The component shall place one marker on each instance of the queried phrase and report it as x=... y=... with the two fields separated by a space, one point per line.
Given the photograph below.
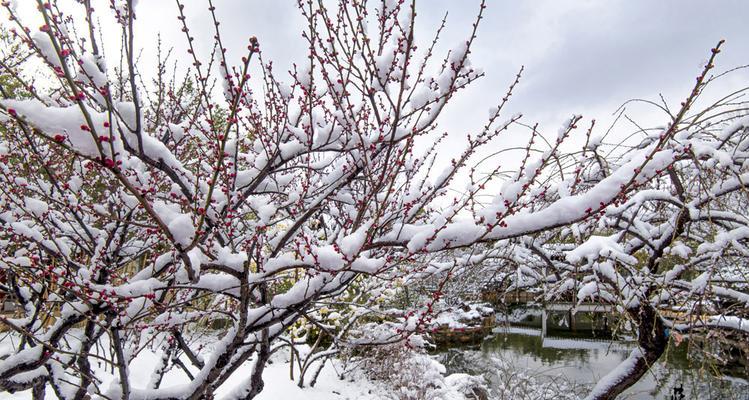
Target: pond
x=575 y=351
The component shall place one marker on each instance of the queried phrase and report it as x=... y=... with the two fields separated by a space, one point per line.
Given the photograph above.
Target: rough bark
x=652 y=342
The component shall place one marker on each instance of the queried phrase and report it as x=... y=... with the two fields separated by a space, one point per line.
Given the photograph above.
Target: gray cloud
x=582 y=56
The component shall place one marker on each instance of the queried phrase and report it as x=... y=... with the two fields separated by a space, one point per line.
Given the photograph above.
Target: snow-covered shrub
x=410 y=374
x=505 y=380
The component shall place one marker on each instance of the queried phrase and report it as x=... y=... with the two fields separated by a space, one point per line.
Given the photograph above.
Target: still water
x=577 y=356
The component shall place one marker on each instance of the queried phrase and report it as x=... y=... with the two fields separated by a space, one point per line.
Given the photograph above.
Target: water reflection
x=583 y=354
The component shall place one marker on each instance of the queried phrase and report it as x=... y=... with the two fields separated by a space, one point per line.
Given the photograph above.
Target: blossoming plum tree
x=133 y=213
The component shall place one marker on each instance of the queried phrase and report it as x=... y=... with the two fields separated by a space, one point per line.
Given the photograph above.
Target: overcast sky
x=581 y=57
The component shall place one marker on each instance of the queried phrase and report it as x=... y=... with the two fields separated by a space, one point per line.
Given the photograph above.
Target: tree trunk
x=652 y=342
x=39 y=391
x=257 y=372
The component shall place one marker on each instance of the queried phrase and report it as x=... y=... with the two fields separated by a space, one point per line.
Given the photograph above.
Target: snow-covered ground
x=329 y=386
x=276 y=377
x=355 y=385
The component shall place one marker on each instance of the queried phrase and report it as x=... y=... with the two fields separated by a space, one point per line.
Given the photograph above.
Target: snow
x=24 y=230
x=67 y=121
x=368 y=265
x=276 y=378
x=600 y=246
x=326 y=257
x=263 y=208
x=90 y=67
x=723 y=239
x=180 y=225
x=37 y=207
x=329 y=386
x=729 y=321
x=617 y=374
x=594 y=142
x=462 y=316
x=25 y=356
x=679 y=249
x=45 y=45
x=351 y=244
x=589 y=290
x=422 y=96
x=302 y=289
x=231 y=259
x=561 y=212
x=182 y=229
x=719 y=321
x=699 y=284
